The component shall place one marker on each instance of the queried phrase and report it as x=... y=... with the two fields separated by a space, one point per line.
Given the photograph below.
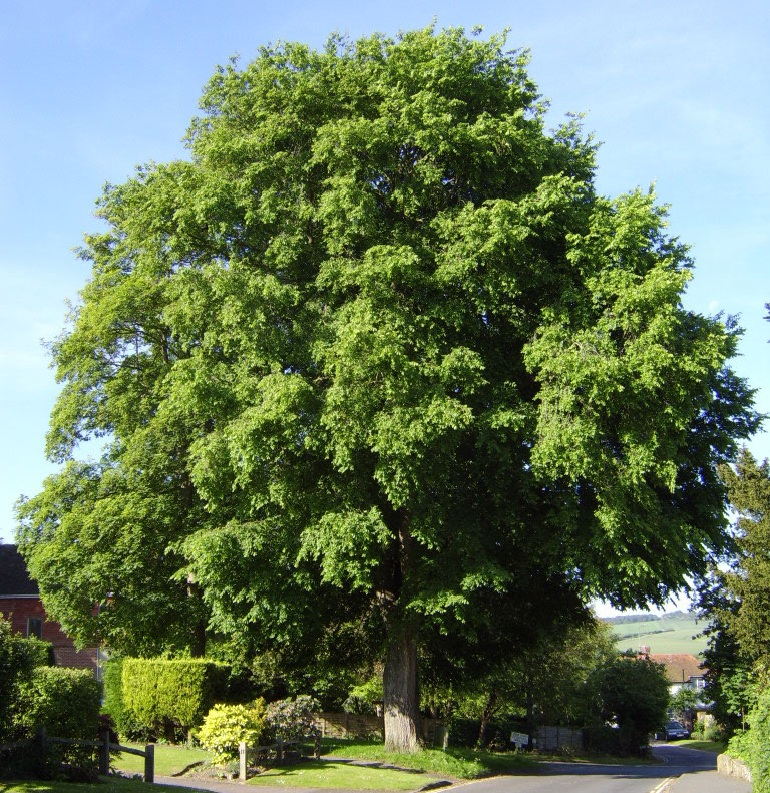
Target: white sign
x=519 y=739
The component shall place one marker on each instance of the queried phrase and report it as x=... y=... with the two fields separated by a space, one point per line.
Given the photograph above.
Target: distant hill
x=676 y=632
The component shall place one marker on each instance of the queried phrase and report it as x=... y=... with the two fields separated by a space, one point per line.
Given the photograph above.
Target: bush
x=66 y=703
x=754 y=745
x=165 y=696
x=18 y=658
x=225 y=726
x=289 y=719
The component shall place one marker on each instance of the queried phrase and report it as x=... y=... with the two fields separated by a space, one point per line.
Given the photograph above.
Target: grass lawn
x=340 y=774
x=169 y=760
x=105 y=785
x=704 y=746
x=453 y=763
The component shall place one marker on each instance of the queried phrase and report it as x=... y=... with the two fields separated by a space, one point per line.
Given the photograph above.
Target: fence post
x=242 y=753
x=149 y=763
x=317 y=746
x=104 y=753
x=41 y=748
x=279 y=752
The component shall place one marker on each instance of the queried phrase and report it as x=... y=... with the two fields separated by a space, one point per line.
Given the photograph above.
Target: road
x=588 y=778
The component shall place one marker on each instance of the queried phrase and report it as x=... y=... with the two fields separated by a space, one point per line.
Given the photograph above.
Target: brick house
x=21 y=605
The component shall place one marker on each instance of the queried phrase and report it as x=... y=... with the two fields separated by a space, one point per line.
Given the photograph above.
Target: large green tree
x=748 y=582
x=378 y=354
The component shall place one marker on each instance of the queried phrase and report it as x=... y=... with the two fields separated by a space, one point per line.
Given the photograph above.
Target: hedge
x=169 y=695
x=18 y=659
x=755 y=744
x=66 y=703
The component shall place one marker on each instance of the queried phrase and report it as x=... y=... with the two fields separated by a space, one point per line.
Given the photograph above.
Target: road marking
x=663 y=785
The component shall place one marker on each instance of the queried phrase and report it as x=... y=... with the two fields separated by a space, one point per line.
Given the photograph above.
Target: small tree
x=683 y=703
x=632 y=693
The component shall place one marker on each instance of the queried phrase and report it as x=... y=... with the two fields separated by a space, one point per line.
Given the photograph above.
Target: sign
x=519 y=739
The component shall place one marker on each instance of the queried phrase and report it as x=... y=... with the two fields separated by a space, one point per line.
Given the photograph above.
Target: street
x=589 y=778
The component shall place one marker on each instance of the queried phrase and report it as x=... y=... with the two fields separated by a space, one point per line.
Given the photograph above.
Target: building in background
x=20 y=604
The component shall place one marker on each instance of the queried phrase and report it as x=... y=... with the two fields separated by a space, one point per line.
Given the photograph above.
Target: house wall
x=19 y=609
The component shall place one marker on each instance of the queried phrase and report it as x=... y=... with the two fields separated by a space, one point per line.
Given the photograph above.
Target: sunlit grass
x=339 y=774
x=169 y=760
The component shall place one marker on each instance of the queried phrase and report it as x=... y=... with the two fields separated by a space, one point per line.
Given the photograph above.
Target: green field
x=669 y=633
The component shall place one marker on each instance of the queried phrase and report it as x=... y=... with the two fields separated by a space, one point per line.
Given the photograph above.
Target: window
x=34 y=627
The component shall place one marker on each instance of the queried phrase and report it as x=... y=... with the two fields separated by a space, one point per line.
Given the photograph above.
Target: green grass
x=339 y=774
x=704 y=746
x=453 y=763
x=169 y=760
x=105 y=785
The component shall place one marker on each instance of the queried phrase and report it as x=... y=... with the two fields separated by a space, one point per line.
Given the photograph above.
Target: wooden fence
x=279 y=751
x=41 y=740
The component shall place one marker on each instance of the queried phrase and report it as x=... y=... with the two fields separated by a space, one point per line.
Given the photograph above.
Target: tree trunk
x=399 y=683
x=531 y=725
x=489 y=709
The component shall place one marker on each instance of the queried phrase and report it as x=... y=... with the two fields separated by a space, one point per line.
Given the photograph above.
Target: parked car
x=676 y=730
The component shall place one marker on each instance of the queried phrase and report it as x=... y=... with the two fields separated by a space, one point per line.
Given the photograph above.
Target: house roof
x=14 y=578
x=680 y=667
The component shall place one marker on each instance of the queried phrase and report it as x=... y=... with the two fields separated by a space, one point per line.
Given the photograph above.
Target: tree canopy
x=379 y=361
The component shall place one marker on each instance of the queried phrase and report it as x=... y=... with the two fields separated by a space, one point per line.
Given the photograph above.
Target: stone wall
x=732 y=766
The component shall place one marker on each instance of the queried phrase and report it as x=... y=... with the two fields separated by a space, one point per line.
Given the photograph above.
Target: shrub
x=18 y=659
x=754 y=745
x=290 y=719
x=166 y=695
x=225 y=726
x=66 y=703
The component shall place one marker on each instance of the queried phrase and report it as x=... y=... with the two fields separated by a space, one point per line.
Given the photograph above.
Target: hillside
x=666 y=633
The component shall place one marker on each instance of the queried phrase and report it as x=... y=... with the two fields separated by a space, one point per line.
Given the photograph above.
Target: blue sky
x=676 y=90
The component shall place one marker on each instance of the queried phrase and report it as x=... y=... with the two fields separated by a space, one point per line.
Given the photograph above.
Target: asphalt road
x=677 y=762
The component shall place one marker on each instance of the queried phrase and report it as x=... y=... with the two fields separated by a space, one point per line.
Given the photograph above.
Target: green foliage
x=632 y=693
x=167 y=695
x=749 y=582
x=66 y=703
x=290 y=719
x=684 y=700
x=754 y=745
x=379 y=337
x=362 y=697
x=126 y=724
x=735 y=600
x=225 y=726
x=18 y=659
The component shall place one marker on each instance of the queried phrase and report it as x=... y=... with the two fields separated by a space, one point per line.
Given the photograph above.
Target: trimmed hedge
x=126 y=724
x=165 y=696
